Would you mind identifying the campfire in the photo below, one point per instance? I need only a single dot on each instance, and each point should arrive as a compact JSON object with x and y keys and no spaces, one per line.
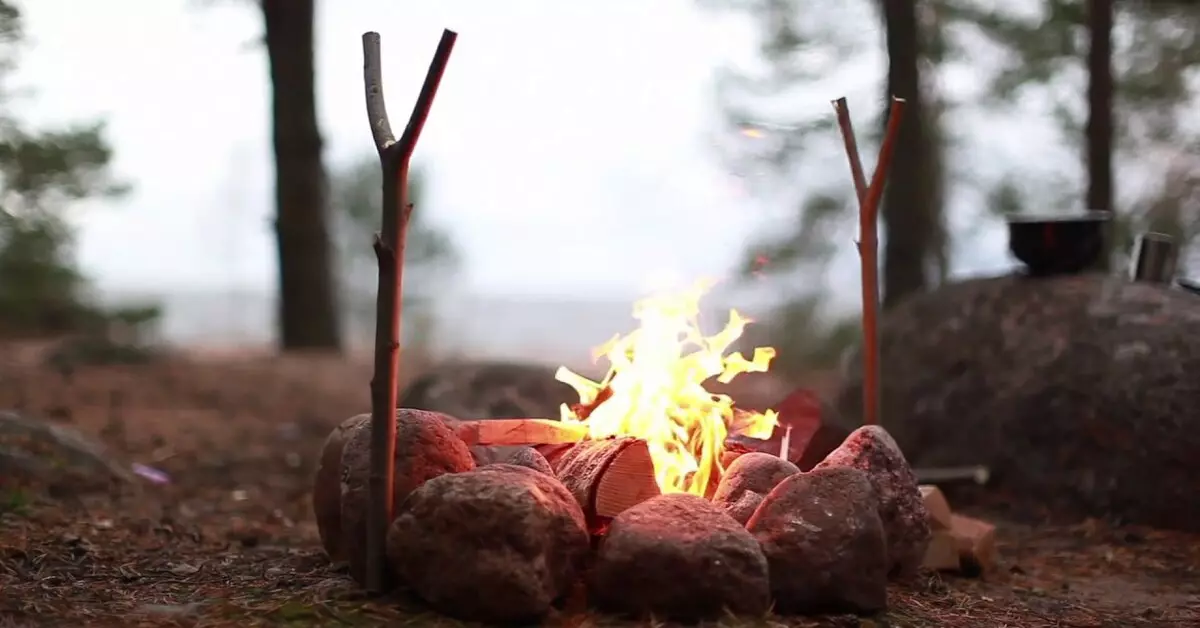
{"x":635,"y":492}
{"x":632,"y":492}
{"x":654,"y":391}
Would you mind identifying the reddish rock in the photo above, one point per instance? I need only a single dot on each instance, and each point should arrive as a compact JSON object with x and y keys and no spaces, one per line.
{"x":519,"y":456}
{"x":678,"y":556}
{"x":327,"y":485}
{"x":742,"y":509}
{"x":497,"y":545}
{"x":824,"y":542}
{"x":901,"y":508}
{"x":754,"y":472}
{"x":529,"y":458}
{"x":425,"y":449}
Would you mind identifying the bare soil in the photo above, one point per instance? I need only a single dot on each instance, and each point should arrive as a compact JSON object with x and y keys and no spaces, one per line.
{"x":230,"y":539}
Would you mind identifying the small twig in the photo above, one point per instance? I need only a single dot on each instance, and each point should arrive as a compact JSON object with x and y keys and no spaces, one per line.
{"x":785,"y":445}
{"x":389,"y":246}
{"x":868,"y":245}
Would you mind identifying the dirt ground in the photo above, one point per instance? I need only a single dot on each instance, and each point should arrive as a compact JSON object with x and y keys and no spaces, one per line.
{"x":229,"y":539}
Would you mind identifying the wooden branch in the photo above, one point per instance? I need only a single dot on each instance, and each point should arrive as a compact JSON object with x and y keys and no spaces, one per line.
{"x":389,"y":244}
{"x":520,"y":432}
{"x":856,"y":169}
{"x":381,"y":128}
{"x":868,"y":245}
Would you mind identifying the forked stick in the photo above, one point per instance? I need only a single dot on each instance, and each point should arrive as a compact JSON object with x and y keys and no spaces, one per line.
{"x":868,"y":245}
{"x":394,"y":158}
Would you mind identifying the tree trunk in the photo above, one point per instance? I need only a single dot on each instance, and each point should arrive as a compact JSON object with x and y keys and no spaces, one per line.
{"x":1099,"y":129}
{"x":909,"y":208}
{"x":307,"y":300}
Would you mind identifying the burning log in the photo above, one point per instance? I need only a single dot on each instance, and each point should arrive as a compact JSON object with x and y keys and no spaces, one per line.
{"x":608,"y":477}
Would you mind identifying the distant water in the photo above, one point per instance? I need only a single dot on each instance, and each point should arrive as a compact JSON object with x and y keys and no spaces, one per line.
{"x":556,"y":331}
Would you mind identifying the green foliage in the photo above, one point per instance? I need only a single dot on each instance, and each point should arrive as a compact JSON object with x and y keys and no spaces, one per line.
{"x":1156,"y":69}
{"x":1156,"y":60}
{"x":799,"y":49}
{"x":768,"y":147}
{"x":15,"y":501}
{"x":42,"y":172}
{"x":430,"y":257}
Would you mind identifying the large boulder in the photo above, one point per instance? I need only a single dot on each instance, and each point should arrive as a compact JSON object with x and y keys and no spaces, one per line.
{"x":499,"y":544}
{"x":1078,"y":391}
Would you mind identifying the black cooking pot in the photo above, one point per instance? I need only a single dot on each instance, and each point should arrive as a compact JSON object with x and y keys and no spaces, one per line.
{"x":1058,"y":244}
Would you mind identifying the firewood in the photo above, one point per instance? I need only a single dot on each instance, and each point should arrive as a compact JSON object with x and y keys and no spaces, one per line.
{"x":942,"y":554}
{"x":608,"y":476}
{"x":976,"y":542}
{"x":938,"y":507}
{"x":519,"y":432}
{"x":628,"y":481}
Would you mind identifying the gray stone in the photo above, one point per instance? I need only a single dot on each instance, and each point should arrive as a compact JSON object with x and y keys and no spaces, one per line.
{"x":901,"y":508}
{"x":56,"y":456}
{"x":499,"y":544}
{"x":679,"y":556}
{"x":530,"y":458}
{"x":1079,"y":392}
{"x":824,"y":543}
{"x":519,"y":456}
{"x":425,"y":449}
{"x":742,"y":509}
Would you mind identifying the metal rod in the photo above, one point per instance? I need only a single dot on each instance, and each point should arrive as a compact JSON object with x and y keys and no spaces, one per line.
{"x":938,"y":475}
{"x":1156,"y":258}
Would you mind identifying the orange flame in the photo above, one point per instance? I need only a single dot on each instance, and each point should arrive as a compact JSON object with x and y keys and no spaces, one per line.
{"x":657,"y":393}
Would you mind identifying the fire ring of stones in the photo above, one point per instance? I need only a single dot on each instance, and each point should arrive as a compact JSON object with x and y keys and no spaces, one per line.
{"x":510,"y":540}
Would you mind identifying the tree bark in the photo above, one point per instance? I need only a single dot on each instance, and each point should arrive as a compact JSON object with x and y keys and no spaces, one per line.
{"x":308,"y":314}
{"x":909,"y":208}
{"x":1099,"y":130}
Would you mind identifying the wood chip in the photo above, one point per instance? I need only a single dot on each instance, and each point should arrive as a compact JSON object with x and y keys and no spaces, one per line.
{"x":976,"y":544}
{"x":938,"y":507}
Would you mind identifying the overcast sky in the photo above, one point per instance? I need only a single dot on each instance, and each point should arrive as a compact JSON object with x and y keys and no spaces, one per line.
{"x":570,"y":147}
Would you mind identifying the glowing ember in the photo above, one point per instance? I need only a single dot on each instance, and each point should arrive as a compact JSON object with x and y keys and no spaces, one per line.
{"x":654,"y":390}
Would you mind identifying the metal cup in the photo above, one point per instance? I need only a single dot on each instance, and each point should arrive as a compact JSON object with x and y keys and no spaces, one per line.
{"x":1156,"y":258}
